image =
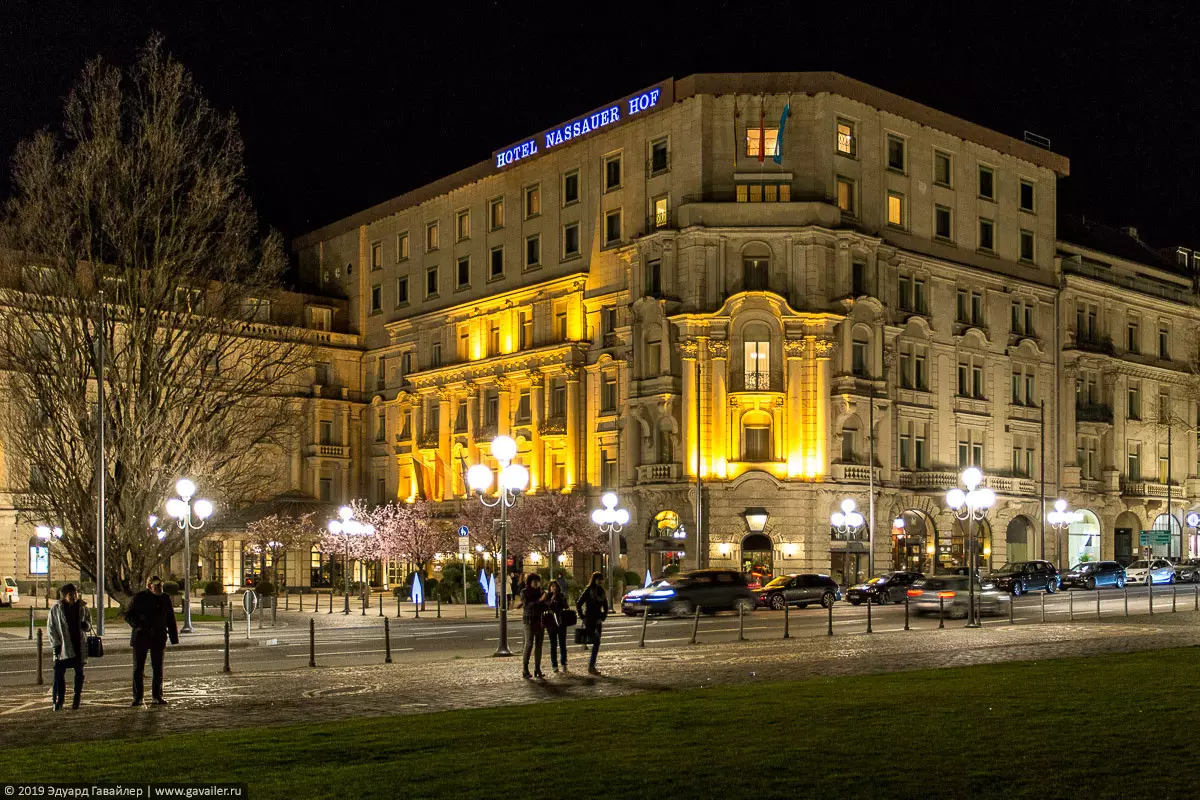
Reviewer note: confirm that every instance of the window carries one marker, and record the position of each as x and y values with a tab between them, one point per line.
464	342
496	268
756	437
560	324
376	299
941	168
462	226
494	339
435	356
1164	405
319	319
764	192
660	212
767	137
1086	389
847	143
757	371
381	375
608	471
1086	321
919	304
570	187
1023	452
1133	462
654	278
895	153
1023	386
1164	336
1026	245
431	282
1087	457
1164	464
849	445
533	200
325	431
571	240
970	378
942	228
326	490
533	251
755	274
381	424
904	293
612	227
608	320
608	393
976	308
914	360
653	358
558	399
496	213
858	358
405	364
431	237
525	330
463	273
491	407
970	448
845	195
1133	337
1133	397
896	212
434	418
402	291
322	373
986	187
523	414
658	156
612	172
987	232
402	246
1021	317
377	256
1026	198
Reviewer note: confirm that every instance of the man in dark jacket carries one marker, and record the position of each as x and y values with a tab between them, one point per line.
153	620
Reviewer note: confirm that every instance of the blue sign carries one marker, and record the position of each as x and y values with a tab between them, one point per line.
581	126
462	530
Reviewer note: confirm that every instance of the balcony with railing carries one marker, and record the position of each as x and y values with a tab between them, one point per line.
1141	286
1093	412
1151	490
659	473
853	473
1094	343
329	451
756	382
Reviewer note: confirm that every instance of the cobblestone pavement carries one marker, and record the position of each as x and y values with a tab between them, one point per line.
297	696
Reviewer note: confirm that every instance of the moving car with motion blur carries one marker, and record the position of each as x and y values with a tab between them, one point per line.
1020	577
634	600
888	587
1091	574
799	591
1187	570
929	595
1155	571
710	590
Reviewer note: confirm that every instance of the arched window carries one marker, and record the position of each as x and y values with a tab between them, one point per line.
756	273
756	436
39	556
757	356
1083	538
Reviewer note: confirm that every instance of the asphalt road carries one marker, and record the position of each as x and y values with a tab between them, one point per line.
361	642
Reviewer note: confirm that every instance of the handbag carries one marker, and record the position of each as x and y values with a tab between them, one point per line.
569	618
95	647
583	636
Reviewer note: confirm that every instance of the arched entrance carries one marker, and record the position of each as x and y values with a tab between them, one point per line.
758	557
959	544
1125	537
1083	539
665	544
912	543
1168	523
1018	540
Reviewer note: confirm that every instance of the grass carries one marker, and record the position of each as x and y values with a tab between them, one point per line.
1078	727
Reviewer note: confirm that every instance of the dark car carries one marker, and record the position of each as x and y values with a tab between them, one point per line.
1188	570
1026	576
800	591
950	594
888	587
710	590
1091	574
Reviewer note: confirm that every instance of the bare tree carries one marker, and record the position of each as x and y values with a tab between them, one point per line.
277	534
138	210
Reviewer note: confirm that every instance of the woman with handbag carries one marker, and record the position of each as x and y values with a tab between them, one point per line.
557	623
592	606
66	624
533	607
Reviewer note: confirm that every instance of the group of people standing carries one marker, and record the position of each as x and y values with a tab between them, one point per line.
549	612
151	618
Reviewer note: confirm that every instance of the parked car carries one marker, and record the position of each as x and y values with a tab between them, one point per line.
799	591
710	590
1026	576
883	589
928	595
635	599
1188	570
1159	570
10	595
1091	574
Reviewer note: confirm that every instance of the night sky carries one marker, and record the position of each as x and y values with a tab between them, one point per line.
343	105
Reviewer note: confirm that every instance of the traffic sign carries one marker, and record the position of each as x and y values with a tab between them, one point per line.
463	531
250	602
464	541
1150	538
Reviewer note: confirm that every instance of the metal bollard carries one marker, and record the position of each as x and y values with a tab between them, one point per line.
1071	606
226	648
300	602
645	619
1150	588
1043	606
387	641
364	604
695	625
439	607
941	612
741	623
786	627
222	609
416	610
31	623
906	611
1012	620
829	632
397	606
869	615
287	601
1126	589
381	605
312	642
40	681
1174	594
330	601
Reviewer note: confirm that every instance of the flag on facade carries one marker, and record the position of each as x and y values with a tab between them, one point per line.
649	580
777	157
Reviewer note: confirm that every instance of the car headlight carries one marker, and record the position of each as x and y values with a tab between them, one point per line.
661	593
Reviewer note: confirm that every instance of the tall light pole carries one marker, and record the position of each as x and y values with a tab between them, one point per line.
1060	519
512	481
48	535
971	507
612	521
348	526
186	509
848	522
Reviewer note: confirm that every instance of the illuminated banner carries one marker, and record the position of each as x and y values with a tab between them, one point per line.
606	117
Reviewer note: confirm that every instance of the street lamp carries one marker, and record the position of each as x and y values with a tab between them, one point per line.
611	520
348	526
184	508
48	535
1060	519
847	523
971	507
512	481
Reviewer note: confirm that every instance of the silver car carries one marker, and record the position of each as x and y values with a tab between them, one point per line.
928	595
1160	570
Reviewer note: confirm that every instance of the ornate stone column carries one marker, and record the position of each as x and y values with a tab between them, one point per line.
718	442
823	352
572	467
798	451
503	394
445	457
537	400
690	351
472	422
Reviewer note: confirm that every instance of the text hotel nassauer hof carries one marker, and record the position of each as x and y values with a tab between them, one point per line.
606	117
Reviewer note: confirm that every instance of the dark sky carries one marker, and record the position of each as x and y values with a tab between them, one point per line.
343	105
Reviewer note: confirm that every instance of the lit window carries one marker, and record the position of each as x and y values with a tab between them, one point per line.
463	225
402	246
496	213
766	136
660	212
845	195
431	237
896	209
533	201
758	364
847	144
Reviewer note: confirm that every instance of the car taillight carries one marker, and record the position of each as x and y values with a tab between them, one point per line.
915	592
948	595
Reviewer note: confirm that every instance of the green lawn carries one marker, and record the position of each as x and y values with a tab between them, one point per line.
1073	727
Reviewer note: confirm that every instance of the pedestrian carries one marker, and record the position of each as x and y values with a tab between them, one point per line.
592	606
152	618
66	624
561	580
514	583
533	606
556	625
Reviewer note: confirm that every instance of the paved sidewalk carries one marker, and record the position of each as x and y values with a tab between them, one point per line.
304	696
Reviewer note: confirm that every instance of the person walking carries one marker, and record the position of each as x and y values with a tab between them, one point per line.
533	606
66	624
514	584
592	606
556	625
152	619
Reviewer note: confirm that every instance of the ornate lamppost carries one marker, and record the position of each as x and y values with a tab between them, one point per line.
348	526
611	520
187	509
971	507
